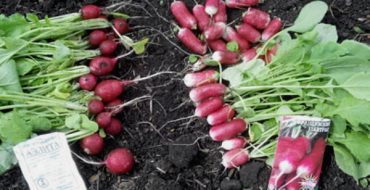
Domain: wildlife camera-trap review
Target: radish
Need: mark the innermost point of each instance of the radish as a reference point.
(226, 57)
(188, 38)
(95, 106)
(114, 128)
(249, 33)
(201, 17)
(231, 35)
(88, 82)
(225, 114)
(217, 45)
(90, 12)
(120, 161)
(227, 130)
(295, 183)
(283, 144)
(221, 15)
(112, 104)
(234, 143)
(273, 28)
(201, 78)
(235, 158)
(102, 65)
(183, 16)
(108, 47)
(208, 106)
(212, 6)
(242, 3)
(103, 119)
(249, 55)
(215, 31)
(93, 144)
(121, 25)
(274, 183)
(96, 37)
(209, 90)
(257, 18)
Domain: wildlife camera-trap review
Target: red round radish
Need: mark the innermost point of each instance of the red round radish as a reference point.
(231, 35)
(88, 82)
(215, 31)
(201, 17)
(109, 90)
(90, 12)
(103, 119)
(226, 57)
(217, 45)
(113, 103)
(212, 6)
(120, 161)
(93, 144)
(273, 28)
(226, 113)
(188, 38)
(227, 130)
(235, 158)
(108, 47)
(102, 65)
(242, 3)
(95, 107)
(209, 90)
(121, 25)
(208, 106)
(249, 33)
(96, 37)
(221, 15)
(183, 16)
(249, 55)
(234, 143)
(114, 128)
(257, 18)
(201, 78)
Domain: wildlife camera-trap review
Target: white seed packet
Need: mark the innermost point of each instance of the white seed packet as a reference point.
(46, 163)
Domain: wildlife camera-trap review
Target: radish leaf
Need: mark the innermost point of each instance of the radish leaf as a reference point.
(358, 85)
(7, 157)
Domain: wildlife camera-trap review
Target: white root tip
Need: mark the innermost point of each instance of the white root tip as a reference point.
(210, 120)
(211, 10)
(217, 56)
(285, 167)
(188, 80)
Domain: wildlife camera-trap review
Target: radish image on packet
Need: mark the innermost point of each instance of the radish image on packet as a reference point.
(299, 153)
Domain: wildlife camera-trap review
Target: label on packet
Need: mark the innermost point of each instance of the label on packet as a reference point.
(46, 163)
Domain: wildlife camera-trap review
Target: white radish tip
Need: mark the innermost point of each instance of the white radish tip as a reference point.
(285, 167)
(211, 10)
(216, 56)
(192, 95)
(188, 80)
(181, 31)
(227, 145)
(210, 120)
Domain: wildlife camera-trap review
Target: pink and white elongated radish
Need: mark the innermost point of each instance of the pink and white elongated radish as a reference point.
(217, 45)
(201, 16)
(227, 130)
(234, 143)
(208, 106)
(249, 55)
(212, 7)
(242, 3)
(231, 35)
(206, 91)
(188, 38)
(221, 15)
(275, 183)
(88, 82)
(257, 18)
(248, 32)
(121, 25)
(200, 78)
(183, 15)
(215, 31)
(108, 47)
(226, 57)
(114, 128)
(93, 144)
(284, 143)
(95, 106)
(90, 12)
(96, 37)
(120, 161)
(273, 28)
(235, 158)
(225, 114)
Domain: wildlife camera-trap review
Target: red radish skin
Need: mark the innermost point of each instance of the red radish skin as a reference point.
(183, 16)
(206, 91)
(257, 18)
(235, 158)
(109, 90)
(92, 145)
(103, 119)
(201, 16)
(188, 38)
(227, 130)
(120, 161)
(200, 78)
(283, 144)
(225, 114)
(121, 25)
(113, 103)
(208, 106)
(249, 55)
(215, 31)
(273, 184)
(271, 53)
(212, 7)
(231, 35)
(114, 128)
(108, 47)
(273, 28)
(242, 3)
(96, 37)
(234, 143)
(90, 12)
(221, 15)
(217, 45)
(100, 66)
(88, 82)
(95, 107)
(226, 57)
(295, 183)
(249, 33)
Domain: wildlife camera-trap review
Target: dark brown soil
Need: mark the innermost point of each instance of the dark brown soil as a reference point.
(160, 165)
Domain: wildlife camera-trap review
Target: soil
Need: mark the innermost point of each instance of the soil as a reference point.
(177, 155)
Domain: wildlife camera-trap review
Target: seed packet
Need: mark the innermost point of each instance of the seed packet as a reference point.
(299, 153)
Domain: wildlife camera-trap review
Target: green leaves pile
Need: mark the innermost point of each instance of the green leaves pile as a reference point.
(311, 74)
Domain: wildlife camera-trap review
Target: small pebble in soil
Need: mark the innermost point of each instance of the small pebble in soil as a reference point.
(183, 151)
(155, 183)
(231, 184)
(249, 173)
